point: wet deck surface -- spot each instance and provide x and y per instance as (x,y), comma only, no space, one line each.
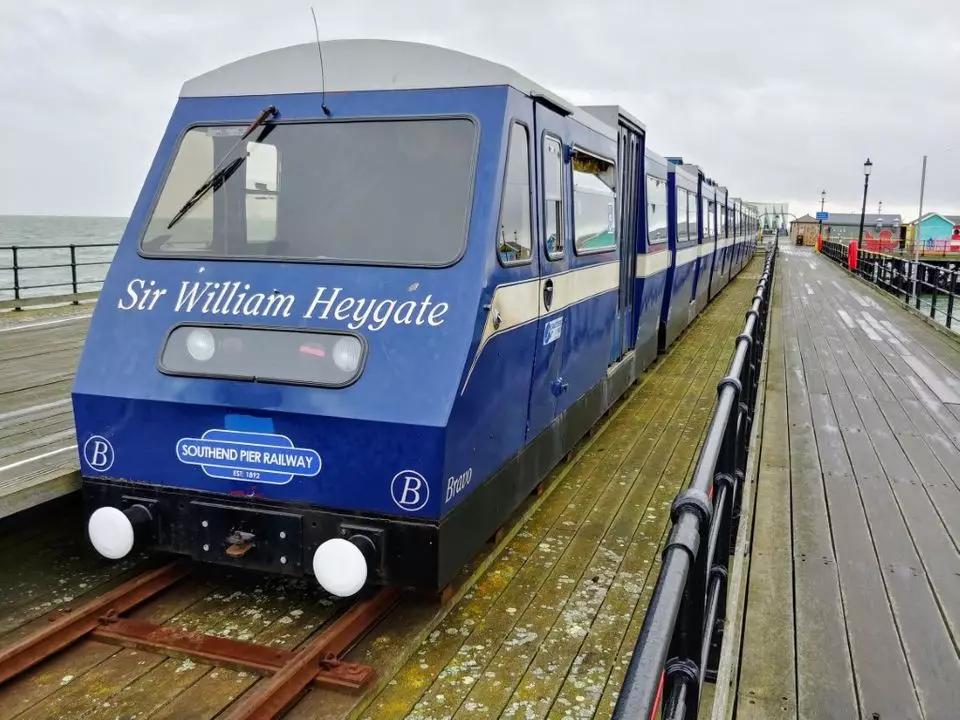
(38,357)
(543,623)
(853,603)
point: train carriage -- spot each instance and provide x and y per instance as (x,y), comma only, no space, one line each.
(701,208)
(357,315)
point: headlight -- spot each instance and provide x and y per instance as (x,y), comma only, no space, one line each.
(200,344)
(346,354)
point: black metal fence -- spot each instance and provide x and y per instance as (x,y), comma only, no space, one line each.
(679,644)
(937,285)
(52,270)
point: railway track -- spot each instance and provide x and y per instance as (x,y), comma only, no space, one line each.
(316,662)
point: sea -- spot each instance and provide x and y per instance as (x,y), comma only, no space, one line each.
(43,253)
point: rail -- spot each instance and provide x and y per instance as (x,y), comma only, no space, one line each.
(33,275)
(930,289)
(679,644)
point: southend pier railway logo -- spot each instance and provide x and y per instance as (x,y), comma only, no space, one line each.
(248,456)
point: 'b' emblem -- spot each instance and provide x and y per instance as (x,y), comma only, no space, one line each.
(409,490)
(98,452)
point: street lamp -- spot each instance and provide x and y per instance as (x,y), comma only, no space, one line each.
(823,198)
(867,167)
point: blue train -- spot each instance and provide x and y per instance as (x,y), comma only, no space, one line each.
(357,315)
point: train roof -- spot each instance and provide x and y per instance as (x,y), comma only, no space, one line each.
(357,65)
(612,114)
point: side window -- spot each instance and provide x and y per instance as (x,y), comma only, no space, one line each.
(514,242)
(681,215)
(553,197)
(594,204)
(656,210)
(692,221)
(709,224)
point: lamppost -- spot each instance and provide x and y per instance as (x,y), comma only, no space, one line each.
(823,198)
(867,167)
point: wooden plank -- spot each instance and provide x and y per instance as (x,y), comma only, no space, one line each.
(934,665)
(25,692)
(723,693)
(767,684)
(825,685)
(879,664)
(93,688)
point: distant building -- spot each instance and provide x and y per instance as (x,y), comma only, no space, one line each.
(936,229)
(843,227)
(806,228)
(772,214)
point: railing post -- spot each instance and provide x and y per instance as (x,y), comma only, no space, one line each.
(933,300)
(916,300)
(16,275)
(951,285)
(73,271)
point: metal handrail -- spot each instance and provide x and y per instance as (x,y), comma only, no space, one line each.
(895,275)
(18,267)
(679,644)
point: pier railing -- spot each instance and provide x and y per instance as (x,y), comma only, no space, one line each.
(52,274)
(679,643)
(933,289)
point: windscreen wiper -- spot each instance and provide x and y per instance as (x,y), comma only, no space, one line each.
(221,174)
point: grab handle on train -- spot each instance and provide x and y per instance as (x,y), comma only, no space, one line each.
(548,294)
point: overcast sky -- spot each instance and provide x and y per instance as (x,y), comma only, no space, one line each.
(777,100)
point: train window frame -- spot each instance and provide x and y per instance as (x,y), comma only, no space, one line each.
(562,222)
(531,181)
(314,120)
(666,208)
(578,251)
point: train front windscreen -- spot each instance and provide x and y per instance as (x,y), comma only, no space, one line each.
(391,192)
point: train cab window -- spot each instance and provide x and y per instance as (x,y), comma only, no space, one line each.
(681,215)
(553,197)
(594,204)
(656,210)
(515,240)
(384,192)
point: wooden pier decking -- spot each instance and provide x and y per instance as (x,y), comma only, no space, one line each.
(853,601)
(38,357)
(542,624)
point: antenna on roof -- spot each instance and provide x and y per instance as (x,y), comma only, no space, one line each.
(323,85)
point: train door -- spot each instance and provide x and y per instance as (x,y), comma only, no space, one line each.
(552,233)
(631,151)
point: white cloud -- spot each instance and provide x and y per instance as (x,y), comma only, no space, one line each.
(775,99)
